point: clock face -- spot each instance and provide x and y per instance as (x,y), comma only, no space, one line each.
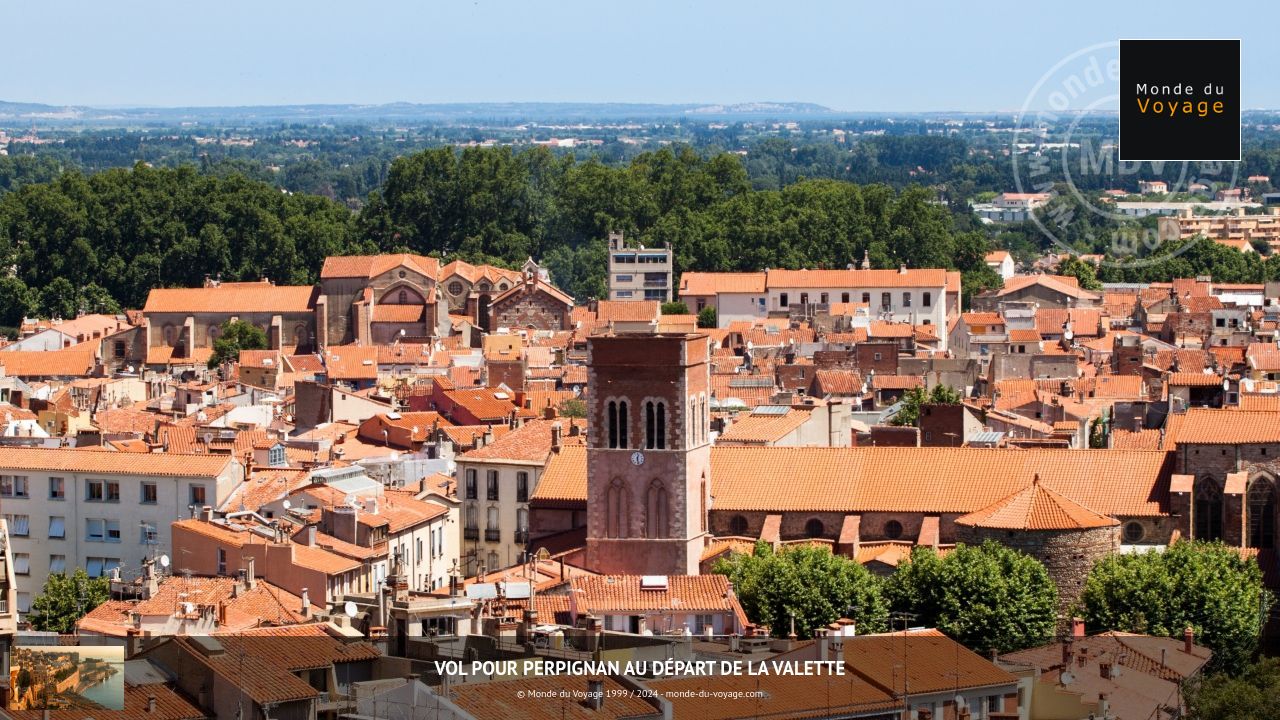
(637,458)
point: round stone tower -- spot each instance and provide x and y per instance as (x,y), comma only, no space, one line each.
(1065,536)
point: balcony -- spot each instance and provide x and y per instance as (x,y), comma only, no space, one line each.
(522,537)
(492,535)
(471,533)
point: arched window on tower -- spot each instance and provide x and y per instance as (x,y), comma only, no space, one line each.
(657,517)
(1208,509)
(616,510)
(655,425)
(1262,512)
(624,439)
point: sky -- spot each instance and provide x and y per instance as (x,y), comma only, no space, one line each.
(850,56)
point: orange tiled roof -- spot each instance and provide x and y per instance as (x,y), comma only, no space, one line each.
(785,279)
(886,479)
(247,297)
(1135,440)
(482,403)
(83,461)
(367,266)
(1194,379)
(982,318)
(531,442)
(1259,403)
(1024,335)
(392,313)
(605,594)
(351,362)
(1209,426)
(628,310)
(762,429)
(1036,507)
(896,382)
(1065,285)
(502,700)
(75,361)
(709,283)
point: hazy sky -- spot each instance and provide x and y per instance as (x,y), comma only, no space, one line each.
(906,55)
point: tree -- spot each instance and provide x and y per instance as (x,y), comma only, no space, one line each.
(809,585)
(1208,587)
(66,598)
(1252,695)
(59,299)
(675,308)
(16,301)
(573,408)
(1080,270)
(909,413)
(236,335)
(987,597)
(707,318)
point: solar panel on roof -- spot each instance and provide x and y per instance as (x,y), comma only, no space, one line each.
(751,382)
(771,410)
(516,590)
(482,591)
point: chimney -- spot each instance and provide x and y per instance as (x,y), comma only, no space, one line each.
(222,618)
(373,506)
(206,513)
(311,536)
(1104,707)
(250,580)
(306,604)
(902,269)
(595,694)
(151,704)
(1188,639)
(549,412)
(555,437)
(821,635)
(1077,627)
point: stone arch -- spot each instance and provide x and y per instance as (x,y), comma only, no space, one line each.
(402,293)
(814,528)
(657,511)
(1207,509)
(617,520)
(655,424)
(738,525)
(1260,512)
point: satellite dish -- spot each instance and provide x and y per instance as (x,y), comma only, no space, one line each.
(164,561)
(188,608)
(1068,334)
(286,504)
(349,608)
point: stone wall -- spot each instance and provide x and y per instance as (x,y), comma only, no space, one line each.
(1068,555)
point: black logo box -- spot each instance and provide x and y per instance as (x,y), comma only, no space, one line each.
(1189,65)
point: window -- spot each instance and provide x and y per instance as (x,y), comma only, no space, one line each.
(623,278)
(471,517)
(196,493)
(493,560)
(804,298)
(617,421)
(617,523)
(893,529)
(471,485)
(93,490)
(1261,509)
(21,564)
(148,493)
(814,528)
(94,529)
(491,484)
(822,298)
(844,297)
(14,486)
(1134,532)
(419,555)
(906,299)
(624,293)
(113,491)
(866,298)
(927,300)
(783,300)
(149,536)
(57,527)
(119,348)
(657,518)
(276,455)
(57,488)
(113,530)
(1208,510)
(222,561)
(737,525)
(655,425)
(886,300)
(57,564)
(522,487)
(19,525)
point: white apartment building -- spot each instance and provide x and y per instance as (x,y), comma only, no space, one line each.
(639,273)
(495,483)
(69,509)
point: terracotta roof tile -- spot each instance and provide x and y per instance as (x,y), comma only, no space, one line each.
(392,313)
(784,279)
(627,311)
(531,442)
(232,298)
(606,594)
(75,361)
(351,362)
(367,266)
(502,700)
(83,461)
(1036,507)
(1140,440)
(706,283)
(1209,426)
(757,429)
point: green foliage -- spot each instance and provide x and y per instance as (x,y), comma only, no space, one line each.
(1080,270)
(808,584)
(909,413)
(707,318)
(987,597)
(675,308)
(1252,695)
(1097,434)
(16,301)
(65,598)
(236,335)
(1206,586)
(573,408)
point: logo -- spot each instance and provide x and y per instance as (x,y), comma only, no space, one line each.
(1180,100)
(1066,160)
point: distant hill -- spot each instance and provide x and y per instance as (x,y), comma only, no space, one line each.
(17,114)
